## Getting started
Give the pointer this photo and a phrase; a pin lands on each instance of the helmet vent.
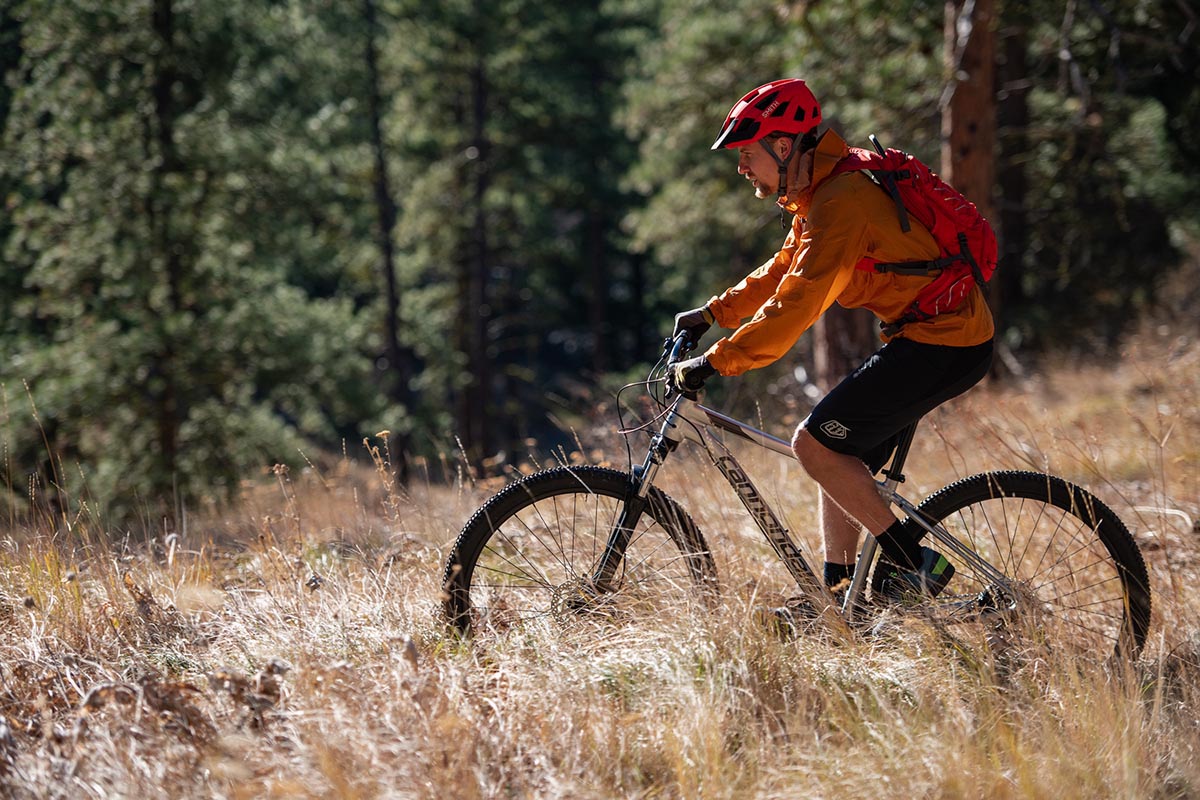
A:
(765, 102)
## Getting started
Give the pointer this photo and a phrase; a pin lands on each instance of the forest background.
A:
(254, 232)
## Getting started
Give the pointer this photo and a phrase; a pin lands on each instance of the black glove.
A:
(696, 322)
(689, 376)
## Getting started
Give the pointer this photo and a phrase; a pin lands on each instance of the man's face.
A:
(759, 168)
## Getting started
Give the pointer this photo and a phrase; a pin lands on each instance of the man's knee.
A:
(809, 452)
(817, 459)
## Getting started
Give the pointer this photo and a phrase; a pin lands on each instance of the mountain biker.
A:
(853, 430)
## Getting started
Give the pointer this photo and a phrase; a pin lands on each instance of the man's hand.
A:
(696, 322)
(689, 376)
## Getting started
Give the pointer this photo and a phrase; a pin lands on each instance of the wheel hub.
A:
(1012, 601)
(578, 595)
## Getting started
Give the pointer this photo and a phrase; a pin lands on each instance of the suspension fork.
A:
(636, 502)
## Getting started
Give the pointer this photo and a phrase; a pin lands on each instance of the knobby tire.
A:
(529, 552)
(1079, 578)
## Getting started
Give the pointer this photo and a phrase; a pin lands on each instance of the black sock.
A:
(835, 574)
(899, 545)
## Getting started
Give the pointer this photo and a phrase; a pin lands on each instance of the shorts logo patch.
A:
(834, 429)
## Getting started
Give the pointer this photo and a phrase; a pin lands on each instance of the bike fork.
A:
(618, 540)
(631, 512)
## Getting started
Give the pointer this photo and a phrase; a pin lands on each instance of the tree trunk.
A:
(600, 280)
(637, 309)
(1012, 118)
(398, 357)
(969, 110)
(842, 339)
(168, 411)
(473, 403)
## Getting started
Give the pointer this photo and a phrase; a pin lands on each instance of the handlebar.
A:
(675, 350)
(678, 347)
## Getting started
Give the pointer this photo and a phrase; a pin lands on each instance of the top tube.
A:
(704, 416)
(738, 428)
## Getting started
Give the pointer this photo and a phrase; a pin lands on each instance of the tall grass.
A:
(291, 647)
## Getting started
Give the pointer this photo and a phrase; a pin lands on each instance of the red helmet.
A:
(783, 106)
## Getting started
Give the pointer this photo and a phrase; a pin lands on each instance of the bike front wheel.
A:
(1061, 567)
(561, 545)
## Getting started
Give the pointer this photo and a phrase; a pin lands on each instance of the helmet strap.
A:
(783, 168)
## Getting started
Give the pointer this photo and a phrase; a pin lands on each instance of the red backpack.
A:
(966, 240)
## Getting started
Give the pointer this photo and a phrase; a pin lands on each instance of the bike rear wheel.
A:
(534, 550)
(1075, 576)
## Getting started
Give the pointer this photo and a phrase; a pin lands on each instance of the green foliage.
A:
(1100, 204)
(524, 177)
(192, 285)
(178, 327)
(1099, 245)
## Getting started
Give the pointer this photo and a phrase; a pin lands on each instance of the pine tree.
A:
(512, 163)
(175, 338)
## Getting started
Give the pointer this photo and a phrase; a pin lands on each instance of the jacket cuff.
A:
(718, 357)
(721, 315)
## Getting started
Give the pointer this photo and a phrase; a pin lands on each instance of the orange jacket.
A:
(837, 222)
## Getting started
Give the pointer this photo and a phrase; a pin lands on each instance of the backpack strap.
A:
(965, 254)
(893, 327)
(920, 267)
(887, 179)
(936, 265)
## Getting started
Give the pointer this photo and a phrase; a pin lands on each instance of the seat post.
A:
(895, 470)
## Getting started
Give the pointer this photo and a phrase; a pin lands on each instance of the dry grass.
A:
(291, 647)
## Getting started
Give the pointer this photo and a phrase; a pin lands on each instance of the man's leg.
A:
(853, 490)
(840, 532)
(849, 489)
(892, 389)
(854, 426)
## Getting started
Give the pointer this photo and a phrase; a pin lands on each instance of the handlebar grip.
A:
(681, 346)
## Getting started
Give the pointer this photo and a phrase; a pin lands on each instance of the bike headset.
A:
(785, 106)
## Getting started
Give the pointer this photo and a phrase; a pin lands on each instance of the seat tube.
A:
(859, 580)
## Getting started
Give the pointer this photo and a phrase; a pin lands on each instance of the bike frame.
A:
(687, 420)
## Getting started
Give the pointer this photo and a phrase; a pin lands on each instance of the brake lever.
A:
(679, 347)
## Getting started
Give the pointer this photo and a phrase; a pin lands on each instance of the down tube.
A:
(766, 520)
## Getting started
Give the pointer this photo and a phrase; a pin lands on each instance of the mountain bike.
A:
(1034, 555)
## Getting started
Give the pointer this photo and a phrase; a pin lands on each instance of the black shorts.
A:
(865, 414)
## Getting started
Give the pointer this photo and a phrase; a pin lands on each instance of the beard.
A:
(761, 190)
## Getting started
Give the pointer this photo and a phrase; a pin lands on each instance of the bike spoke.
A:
(1086, 547)
(1053, 538)
(528, 580)
(1068, 562)
(519, 550)
(538, 560)
(537, 509)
